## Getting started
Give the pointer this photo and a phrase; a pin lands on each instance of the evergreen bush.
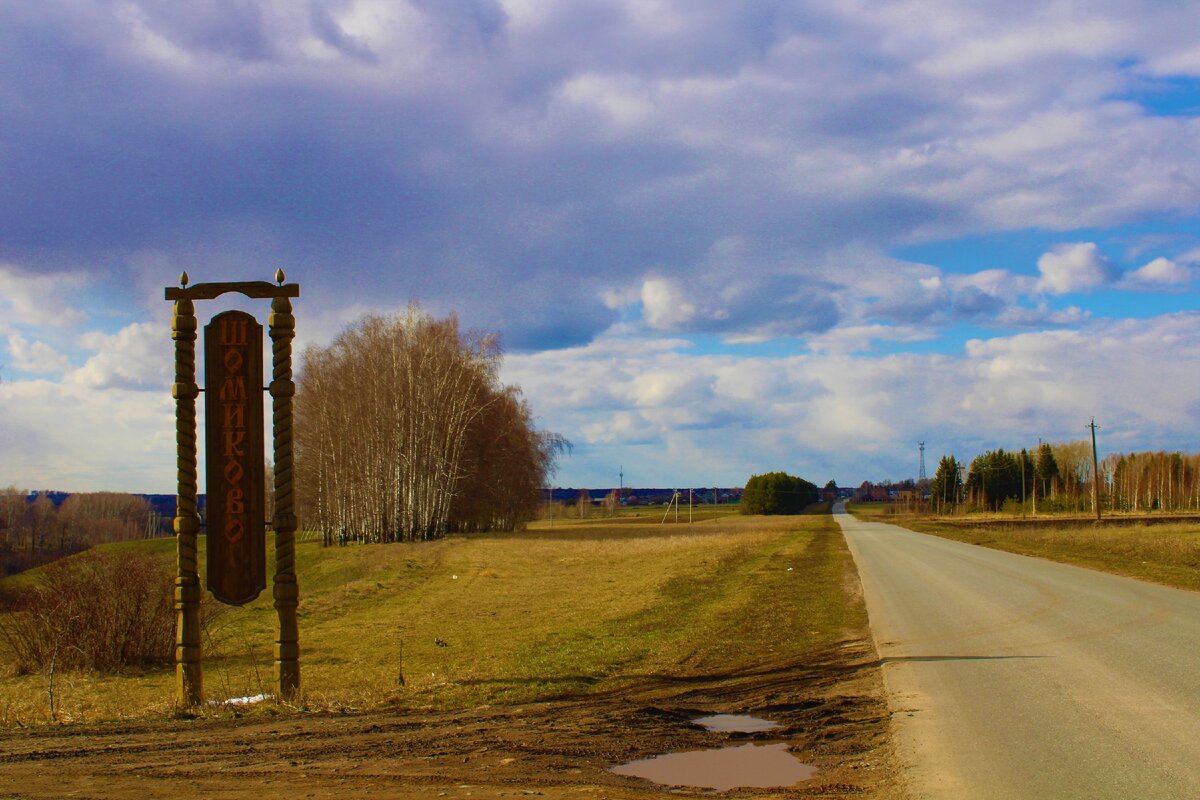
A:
(777, 493)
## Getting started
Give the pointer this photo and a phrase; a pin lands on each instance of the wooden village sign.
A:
(235, 470)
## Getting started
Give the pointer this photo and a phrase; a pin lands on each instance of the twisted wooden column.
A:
(187, 521)
(287, 592)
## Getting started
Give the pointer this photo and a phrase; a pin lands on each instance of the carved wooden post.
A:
(287, 593)
(187, 520)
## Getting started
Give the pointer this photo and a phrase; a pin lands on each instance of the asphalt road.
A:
(1016, 677)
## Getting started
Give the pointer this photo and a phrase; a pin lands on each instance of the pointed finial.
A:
(279, 276)
(183, 280)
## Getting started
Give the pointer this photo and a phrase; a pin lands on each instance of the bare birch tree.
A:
(403, 432)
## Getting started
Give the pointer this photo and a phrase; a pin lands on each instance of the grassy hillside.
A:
(583, 607)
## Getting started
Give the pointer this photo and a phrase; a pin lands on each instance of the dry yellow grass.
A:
(1164, 552)
(580, 608)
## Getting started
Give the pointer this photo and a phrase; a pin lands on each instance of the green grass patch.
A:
(583, 607)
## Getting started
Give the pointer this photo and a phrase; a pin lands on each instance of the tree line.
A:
(33, 530)
(1059, 477)
(403, 432)
(1152, 481)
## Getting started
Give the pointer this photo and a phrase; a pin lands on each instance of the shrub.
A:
(97, 610)
(777, 493)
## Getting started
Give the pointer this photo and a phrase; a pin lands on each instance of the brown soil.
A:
(832, 710)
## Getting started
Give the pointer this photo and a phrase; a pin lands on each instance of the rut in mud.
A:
(831, 711)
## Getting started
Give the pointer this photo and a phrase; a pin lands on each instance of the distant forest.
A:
(1056, 477)
(36, 528)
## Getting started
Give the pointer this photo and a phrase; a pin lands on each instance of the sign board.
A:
(236, 472)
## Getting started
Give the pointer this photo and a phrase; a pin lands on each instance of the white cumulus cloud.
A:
(828, 413)
(78, 438)
(665, 304)
(37, 299)
(1159, 273)
(1076, 267)
(139, 356)
(36, 357)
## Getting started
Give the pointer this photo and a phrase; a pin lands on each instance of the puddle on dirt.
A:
(749, 766)
(735, 723)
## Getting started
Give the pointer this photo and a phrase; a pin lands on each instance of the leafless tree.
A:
(1154, 481)
(92, 518)
(403, 432)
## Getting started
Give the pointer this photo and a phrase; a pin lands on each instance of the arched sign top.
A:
(257, 290)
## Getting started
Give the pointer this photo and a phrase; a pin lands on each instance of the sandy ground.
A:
(832, 711)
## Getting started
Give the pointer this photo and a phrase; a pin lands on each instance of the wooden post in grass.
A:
(287, 594)
(1095, 472)
(187, 520)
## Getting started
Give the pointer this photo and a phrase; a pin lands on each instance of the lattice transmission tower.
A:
(921, 471)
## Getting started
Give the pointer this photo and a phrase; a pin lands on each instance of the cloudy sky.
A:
(717, 238)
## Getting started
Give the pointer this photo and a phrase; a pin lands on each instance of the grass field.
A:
(582, 607)
(1164, 552)
(648, 513)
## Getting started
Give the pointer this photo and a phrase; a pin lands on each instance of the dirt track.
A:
(832, 711)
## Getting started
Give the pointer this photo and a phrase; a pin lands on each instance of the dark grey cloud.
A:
(232, 28)
(469, 153)
(329, 32)
(973, 302)
(469, 21)
(722, 301)
(908, 303)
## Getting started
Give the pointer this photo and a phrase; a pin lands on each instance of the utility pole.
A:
(1095, 471)
(621, 491)
(674, 502)
(1035, 483)
(1023, 454)
(1035, 475)
(942, 500)
(962, 480)
(689, 506)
